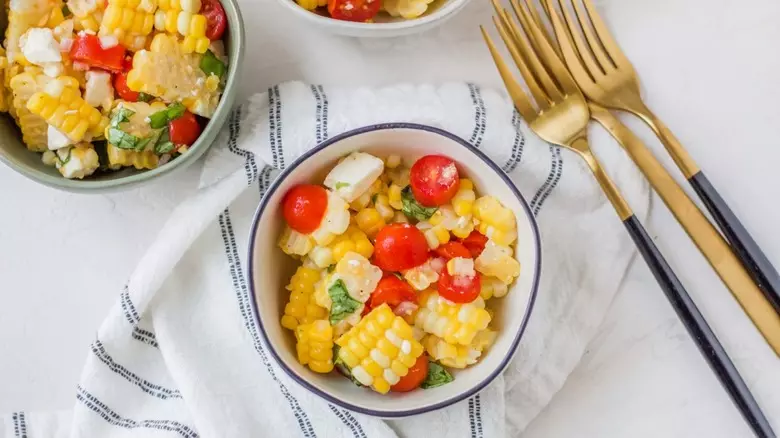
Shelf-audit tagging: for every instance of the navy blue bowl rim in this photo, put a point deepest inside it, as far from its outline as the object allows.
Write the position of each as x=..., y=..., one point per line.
x=531, y=299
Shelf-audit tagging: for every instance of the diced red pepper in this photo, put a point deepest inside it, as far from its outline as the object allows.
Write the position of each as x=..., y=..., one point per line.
x=87, y=49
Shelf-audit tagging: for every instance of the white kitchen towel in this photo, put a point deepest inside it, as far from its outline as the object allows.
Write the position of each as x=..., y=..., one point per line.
x=180, y=355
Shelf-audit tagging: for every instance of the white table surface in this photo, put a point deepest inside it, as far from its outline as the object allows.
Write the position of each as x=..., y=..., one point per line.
x=709, y=68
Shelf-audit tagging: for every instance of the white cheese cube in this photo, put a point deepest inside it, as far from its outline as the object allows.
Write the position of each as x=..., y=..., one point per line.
x=353, y=176
x=98, y=91
x=57, y=139
x=53, y=69
x=77, y=162
x=39, y=46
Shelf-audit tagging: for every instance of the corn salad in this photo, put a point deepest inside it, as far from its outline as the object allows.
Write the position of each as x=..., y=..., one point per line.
x=399, y=266
x=101, y=85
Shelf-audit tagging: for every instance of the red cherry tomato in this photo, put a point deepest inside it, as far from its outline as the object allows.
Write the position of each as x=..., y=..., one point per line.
x=434, y=180
x=450, y=250
x=459, y=288
x=399, y=247
x=184, y=130
x=475, y=242
x=393, y=291
x=124, y=92
x=87, y=49
x=304, y=207
x=353, y=10
x=216, y=20
x=415, y=377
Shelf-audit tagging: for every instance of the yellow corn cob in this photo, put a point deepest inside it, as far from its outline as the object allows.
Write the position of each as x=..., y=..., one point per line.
x=310, y=5
x=497, y=261
x=315, y=346
x=165, y=71
x=382, y=205
x=175, y=16
x=4, y=98
x=495, y=221
x=393, y=161
x=130, y=21
x=492, y=287
x=295, y=243
x=34, y=128
x=423, y=276
x=301, y=309
x=353, y=239
x=67, y=111
x=22, y=15
x=463, y=201
x=380, y=349
x=370, y=221
x=87, y=14
x=455, y=323
x=399, y=176
x=407, y=9
x=394, y=196
x=118, y=158
x=55, y=18
x=458, y=356
x=436, y=236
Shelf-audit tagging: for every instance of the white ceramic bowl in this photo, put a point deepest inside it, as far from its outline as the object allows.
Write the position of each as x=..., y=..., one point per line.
x=270, y=269
x=438, y=12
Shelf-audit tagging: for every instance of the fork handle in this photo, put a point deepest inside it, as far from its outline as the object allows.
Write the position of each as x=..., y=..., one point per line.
x=747, y=250
x=700, y=331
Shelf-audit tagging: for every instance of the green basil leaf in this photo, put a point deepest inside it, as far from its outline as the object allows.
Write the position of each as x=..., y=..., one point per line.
x=141, y=145
x=342, y=305
x=175, y=110
x=63, y=161
x=332, y=268
x=161, y=118
x=122, y=115
x=121, y=139
x=143, y=97
x=412, y=208
x=65, y=10
x=164, y=144
x=437, y=376
x=211, y=65
x=340, y=185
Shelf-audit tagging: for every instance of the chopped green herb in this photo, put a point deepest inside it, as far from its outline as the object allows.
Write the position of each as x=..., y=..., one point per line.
x=121, y=139
x=122, y=115
x=332, y=268
x=161, y=118
x=211, y=65
x=342, y=305
x=143, y=143
x=143, y=97
x=340, y=185
x=412, y=208
x=65, y=10
x=437, y=376
x=164, y=144
x=64, y=161
x=374, y=198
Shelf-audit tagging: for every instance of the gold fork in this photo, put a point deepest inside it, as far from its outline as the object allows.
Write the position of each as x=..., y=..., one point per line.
x=607, y=77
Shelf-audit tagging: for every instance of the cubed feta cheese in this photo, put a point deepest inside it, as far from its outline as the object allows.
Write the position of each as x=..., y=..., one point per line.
x=53, y=69
x=354, y=175
x=98, y=91
x=77, y=162
x=57, y=139
x=39, y=46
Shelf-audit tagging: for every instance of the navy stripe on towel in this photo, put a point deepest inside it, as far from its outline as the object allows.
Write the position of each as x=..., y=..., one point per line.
x=480, y=116
x=556, y=170
x=158, y=391
x=478, y=415
x=131, y=314
x=517, y=145
x=20, y=425
x=472, y=419
x=234, y=130
x=350, y=422
x=115, y=419
x=275, y=126
x=242, y=293
x=321, y=113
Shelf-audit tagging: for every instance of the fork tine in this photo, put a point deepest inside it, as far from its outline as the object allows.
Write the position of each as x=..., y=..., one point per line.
x=524, y=17
x=607, y=41
x=520, y=99
x=537, y=18
x=582, y=48
x=552, y=62
x=535, y=65
x=605, y=62
x=570, y=54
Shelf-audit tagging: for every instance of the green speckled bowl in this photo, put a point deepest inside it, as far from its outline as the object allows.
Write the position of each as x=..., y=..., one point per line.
x=15, y=155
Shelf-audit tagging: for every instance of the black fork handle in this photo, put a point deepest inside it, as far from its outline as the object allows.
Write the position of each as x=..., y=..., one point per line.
x=746, y=249
x=700, y=331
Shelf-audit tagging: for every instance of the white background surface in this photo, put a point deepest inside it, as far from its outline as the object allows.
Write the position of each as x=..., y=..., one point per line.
x=709, y=69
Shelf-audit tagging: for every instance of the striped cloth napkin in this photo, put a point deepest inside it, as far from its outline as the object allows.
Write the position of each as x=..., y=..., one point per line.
x=179, y=354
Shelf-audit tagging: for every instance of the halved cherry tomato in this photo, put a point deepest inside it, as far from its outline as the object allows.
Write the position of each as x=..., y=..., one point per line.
x=475, y=242
x=393, y=291
x=415, y=377
x=216, y=20
x=184, y=130
x=399, y=247
x=87, y=50
x=353, y=10
x=459, y=288
x=434, y=180
x=450, y=250
x=120, y=85
x=304, y=207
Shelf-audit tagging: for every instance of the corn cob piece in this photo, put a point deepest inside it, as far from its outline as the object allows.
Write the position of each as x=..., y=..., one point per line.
x=353, y=240
x=407, y=9
x=394, y=196
x=131, y=21
x=380, y=349
x=62, y=107
x=497, y=261
x=435, y=235
x=22, y=15
x=181, y=16
x=370, y=221
x=118, y=158
x=492, y=287
x=495, y=221
x=34, y=128
x=423, y=276
x=311, y=5
x=301, y=309
x=458, y=356
x=87, y=14
x=165, y=71
x=393, y=161
x=315, y=346
x=4, y=97
x=455, y=323
x=295, y=243
x=382, y=205
x=78, y=161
